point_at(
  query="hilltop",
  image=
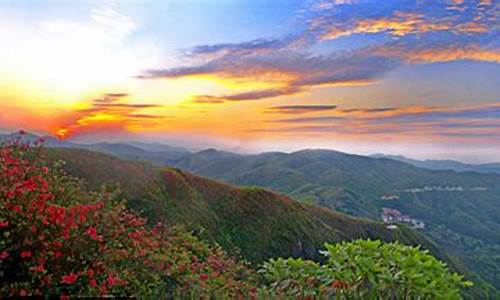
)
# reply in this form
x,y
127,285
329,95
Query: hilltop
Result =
x,y
434,164
259,223
459,209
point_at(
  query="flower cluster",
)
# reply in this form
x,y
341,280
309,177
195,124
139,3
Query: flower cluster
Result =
x,y
59,239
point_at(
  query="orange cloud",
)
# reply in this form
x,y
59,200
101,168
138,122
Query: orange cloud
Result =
x,y
464,123
400,24
471,27
442,54
108,112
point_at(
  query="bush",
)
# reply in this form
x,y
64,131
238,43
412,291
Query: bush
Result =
x,y
365,269
59,239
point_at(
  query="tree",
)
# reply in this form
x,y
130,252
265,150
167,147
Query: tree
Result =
x,y
365,269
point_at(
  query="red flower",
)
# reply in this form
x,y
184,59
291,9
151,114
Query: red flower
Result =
x,y
4,224
203,277
90,273
39,268
103,290
93,283
25,254
45,170
92,232
66,234
4,255
69,279
111,280
16,208
22,132
64,297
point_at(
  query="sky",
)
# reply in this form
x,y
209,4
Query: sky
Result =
x,y
418,78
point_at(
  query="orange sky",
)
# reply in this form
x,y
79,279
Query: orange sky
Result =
x,y
351,76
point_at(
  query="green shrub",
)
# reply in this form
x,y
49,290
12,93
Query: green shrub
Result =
x,y
58,239
365,269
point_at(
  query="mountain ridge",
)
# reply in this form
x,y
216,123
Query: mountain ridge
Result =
x,y
445,164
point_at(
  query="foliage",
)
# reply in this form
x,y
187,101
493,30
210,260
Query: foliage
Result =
x,y
59,239
365,269
463,223
228,215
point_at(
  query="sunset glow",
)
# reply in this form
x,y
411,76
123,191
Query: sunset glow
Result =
x,y
359,76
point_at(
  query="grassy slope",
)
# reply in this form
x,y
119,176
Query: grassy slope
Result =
x,y
258,224
464,223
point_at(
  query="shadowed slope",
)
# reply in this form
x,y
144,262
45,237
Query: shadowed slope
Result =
x,y
260,223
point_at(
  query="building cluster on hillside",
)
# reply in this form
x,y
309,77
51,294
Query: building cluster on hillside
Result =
x,y
389,197
444,189
391,216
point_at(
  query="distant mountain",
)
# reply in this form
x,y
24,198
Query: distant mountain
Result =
x,y
48,141
445,164
154,152
459,209
132,152
260,223
157,147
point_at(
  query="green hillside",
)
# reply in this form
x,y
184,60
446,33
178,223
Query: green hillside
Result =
x,y
259,223
460,209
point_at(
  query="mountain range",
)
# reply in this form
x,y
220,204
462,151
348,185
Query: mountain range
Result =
x,y
454,165
459,210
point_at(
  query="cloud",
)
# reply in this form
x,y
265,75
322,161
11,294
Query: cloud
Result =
x,y
299,109
399,19
144,116
399,24
119,24
440,53
291,72
101,105
426,122
407,33
402,24
321,119
108,113
115,95
427,114
253,95
407,114
260,46
368,110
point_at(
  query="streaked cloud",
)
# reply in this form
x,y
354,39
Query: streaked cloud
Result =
x,y
408,18
291,72
465,122
246,96
440,53
109,111
399,24
332,70
292,66
299,109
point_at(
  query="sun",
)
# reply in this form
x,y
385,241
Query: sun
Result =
x,y
61,133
